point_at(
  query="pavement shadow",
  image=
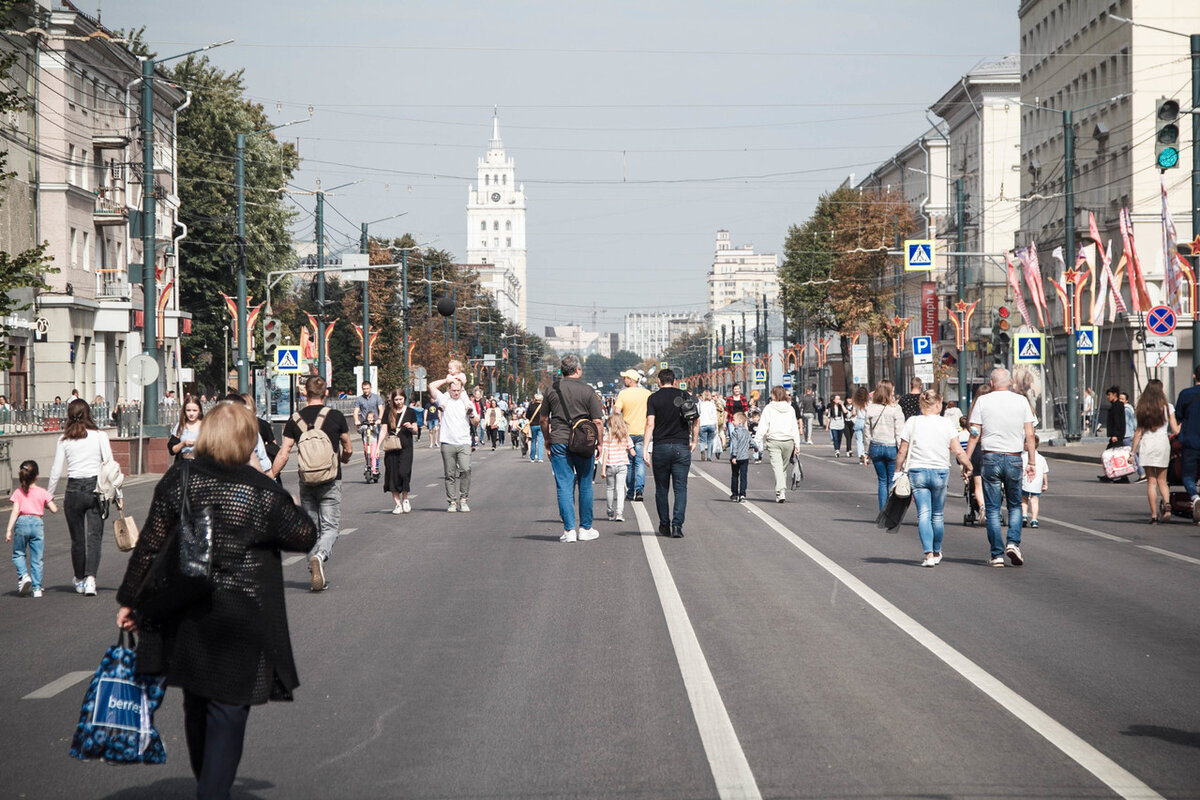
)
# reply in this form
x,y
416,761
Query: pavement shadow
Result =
x,y
1171,735
539,537
243,789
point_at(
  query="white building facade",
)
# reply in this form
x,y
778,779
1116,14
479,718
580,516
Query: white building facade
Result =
x,y
496,229
649,334
738,273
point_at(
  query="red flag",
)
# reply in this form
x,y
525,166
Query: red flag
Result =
x,y
1137,279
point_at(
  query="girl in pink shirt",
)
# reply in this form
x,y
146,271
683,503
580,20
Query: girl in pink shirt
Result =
x,y
25,529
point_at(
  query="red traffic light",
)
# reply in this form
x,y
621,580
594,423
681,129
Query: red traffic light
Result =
x,y
1003,312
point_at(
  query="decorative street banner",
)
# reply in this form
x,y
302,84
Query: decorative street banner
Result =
x,y
929,309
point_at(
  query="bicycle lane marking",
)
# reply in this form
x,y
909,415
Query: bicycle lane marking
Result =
x,y
726,759
1112,774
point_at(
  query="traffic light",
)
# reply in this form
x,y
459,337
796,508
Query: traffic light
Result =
x,y
1166,138
271,331
504,354
1002,324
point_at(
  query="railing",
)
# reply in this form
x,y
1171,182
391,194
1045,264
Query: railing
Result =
x,y
112,283
51,418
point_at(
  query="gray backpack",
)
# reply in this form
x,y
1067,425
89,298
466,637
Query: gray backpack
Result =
x,y
318,461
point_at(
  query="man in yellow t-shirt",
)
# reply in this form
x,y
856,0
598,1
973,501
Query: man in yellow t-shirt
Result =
x,y
631,403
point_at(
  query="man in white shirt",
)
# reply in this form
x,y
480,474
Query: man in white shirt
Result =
x,y
457,420
1002,424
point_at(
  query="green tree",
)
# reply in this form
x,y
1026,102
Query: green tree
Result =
x,y
208,206
599,368
624,359
26,269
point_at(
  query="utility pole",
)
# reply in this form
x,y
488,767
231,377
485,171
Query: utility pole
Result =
x,y
321,284
149,259
1195,40
1073,411
964,395
899,366
364,248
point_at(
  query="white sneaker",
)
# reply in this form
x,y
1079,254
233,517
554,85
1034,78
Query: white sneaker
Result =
x,y
568,536
452,508
929,561
405,505
462,506
79,587
24,584
398,509
89,586
37,592
937,558
588,534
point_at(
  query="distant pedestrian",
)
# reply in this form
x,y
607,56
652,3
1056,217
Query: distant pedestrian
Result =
x,y
927,441
26,530
492,418
1114,426
1187,416
183,435
1033,486
808,412
1155,423
419,411
821,409
779,434
533,422
433,422
616,454
81,450
1130,427
1002,425
858,414
735,402
708,425
740,444
571,403
401,420
910,403
1089,411
885,420
672,439
319,470
837,424
457,431
631,403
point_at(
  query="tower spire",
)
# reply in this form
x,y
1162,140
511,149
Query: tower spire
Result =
x,y
496,144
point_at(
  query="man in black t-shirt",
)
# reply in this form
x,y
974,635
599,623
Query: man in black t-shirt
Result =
x,y
322,501
670,455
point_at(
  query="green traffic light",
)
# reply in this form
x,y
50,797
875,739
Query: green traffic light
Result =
x,y
1168,158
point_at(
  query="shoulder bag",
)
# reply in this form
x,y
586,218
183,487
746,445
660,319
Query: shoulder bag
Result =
x,y
125,530
583,438
392,441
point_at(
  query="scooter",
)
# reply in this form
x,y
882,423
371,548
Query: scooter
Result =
x,y
370,453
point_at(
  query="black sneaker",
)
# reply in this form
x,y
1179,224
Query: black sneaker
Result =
x,y
733,498
637,496
676,531
664,529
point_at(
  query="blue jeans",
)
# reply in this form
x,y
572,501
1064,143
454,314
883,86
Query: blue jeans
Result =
x,y
323,502
1002,485
858,442
929,493
1189,459
29,534
708,434
535,443
571,472
635,478
835,436
671,463
883,456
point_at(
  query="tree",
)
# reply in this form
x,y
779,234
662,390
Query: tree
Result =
x,y
624,359
598,368
208,206
25,269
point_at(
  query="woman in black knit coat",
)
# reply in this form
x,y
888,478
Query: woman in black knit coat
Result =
x,y
231,650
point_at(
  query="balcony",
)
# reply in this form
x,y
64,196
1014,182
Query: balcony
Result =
x,y
110,207
113,284
107,140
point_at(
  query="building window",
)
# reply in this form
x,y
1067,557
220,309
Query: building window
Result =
x,y
496,243
508,242
487,180
70,163
496,225
508,225
74,247
483,225
483,242
504,180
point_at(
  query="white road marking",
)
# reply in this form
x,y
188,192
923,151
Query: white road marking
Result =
x,y
430,485
730,770
346,531
59,685
1105,769
287,562
1082,529
1169,554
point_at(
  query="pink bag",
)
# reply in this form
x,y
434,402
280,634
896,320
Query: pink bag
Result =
x,y
1118,462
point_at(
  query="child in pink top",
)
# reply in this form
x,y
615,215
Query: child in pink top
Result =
x,y
615,451
25,529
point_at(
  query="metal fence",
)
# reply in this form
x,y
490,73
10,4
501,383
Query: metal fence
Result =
x,y
52,418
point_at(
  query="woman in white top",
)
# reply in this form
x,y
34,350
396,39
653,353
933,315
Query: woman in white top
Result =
x,y
708,425
858,412
81,450
183,439
1155,418
884,421
780,434
926,443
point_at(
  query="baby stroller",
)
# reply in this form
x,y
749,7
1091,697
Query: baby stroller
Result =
x,y
370,454
974,512
1180,503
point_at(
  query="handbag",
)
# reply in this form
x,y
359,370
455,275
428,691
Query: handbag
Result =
x,y
116,721
1118,462
391,442
181,572
125,531
902,485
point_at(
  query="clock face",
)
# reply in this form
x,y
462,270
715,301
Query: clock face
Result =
x,y
495,197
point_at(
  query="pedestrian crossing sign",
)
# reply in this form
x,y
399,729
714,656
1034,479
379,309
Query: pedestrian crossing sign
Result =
x,y
918,255
760,376
1030,348
735,357
1086,341
287,360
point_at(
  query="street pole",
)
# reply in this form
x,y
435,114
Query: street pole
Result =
x,y
321,284
366,326
1195,39
404,320
964,395
149,290
239,177
899,365
1073,411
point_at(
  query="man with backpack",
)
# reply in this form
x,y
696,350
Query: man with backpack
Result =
x,y
320,435
574,415
672,428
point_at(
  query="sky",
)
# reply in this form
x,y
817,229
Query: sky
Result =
x,y
638,128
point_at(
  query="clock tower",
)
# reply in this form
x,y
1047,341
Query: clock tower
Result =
x,y
496,229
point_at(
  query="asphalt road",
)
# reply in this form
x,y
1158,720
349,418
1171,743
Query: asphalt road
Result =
x,y
786,650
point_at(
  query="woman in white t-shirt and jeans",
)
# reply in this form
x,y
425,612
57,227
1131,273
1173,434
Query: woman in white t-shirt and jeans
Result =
x,y
927,441
81,450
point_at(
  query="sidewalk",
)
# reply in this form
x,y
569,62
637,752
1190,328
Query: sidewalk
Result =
x,y
1087,450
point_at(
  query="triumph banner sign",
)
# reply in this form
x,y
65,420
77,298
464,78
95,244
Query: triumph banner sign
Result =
x,y
929,309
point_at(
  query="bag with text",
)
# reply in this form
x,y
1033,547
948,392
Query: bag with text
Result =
x,y
116,721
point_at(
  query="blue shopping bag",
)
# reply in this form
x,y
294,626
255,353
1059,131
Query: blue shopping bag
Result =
x,y
116,722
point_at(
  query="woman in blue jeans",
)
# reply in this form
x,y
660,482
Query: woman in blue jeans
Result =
x,y
926,444
884,421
